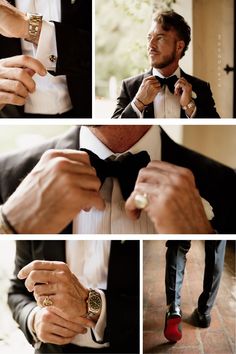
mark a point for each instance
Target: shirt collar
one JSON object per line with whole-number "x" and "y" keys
{"x": 150, "y": 142}
{"x": 155, "y": 72}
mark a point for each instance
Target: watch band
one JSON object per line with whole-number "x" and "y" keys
{"x": 35, "y": 20}
{"x": 5, "y": 226}
{"x": 94, "y": 303}
{"x": 190, "y": 105}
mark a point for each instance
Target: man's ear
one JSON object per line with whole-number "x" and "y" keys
{"x": 180, "y": 47}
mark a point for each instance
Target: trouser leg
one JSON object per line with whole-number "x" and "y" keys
{"x": 175, "y": 266}
{"x": 214, "y": 263}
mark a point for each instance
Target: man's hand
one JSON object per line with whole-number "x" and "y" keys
{"x": 13, "y": 22}
{"x": 16, "y": 80}
{"x": 147, "y": 92}
{"x": 175, "y": 206}
{"x": 51, "y": 328}
{"x": 61, "y": 185}
{"x": 55, "y": 280}
{"x": 183, "y": 89}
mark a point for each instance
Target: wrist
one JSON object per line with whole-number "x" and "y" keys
{"x": 94, "y": 305}
{"x": 139, "y": 104}
{"x": 189, "y": 107}
{"x": 34, "y": 26}
{"x": 5, "y": 226}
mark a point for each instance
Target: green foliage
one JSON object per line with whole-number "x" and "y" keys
{"x": 121, "y": 30}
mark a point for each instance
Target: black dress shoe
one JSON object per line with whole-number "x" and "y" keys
{"x": 173, "y": 331}
{"x": 200, "y": 320}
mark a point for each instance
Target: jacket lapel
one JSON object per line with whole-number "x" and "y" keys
{"x": 53, "y": 253}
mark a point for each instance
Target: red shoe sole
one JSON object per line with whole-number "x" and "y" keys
{"x": 172, "y": 331}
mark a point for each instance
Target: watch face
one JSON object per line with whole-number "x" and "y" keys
{"x": 95, "y": 302}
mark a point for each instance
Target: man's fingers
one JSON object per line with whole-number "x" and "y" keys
{"x": 74, "y": 155}
{"x": 40, "y": 265}
{"x": 13, "y": 86}
{"x": 49, "y": 316}
{"x": 18, "y": 74}
{"x": 81, "y": 322}
{"x": 11, "y": 98}
{"x": 165, "y": 170}
{"x": 24, "y": 61}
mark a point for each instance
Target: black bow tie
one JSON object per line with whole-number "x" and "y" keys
{"x": 170, "y": 82}
{"x": 125, "y": 168}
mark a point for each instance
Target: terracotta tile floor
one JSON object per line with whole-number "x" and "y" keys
{"x": 220, "y": 337}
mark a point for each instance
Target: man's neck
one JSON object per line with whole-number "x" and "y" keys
{"x": 168, "y": 70}
{"x": 119, "y": 138}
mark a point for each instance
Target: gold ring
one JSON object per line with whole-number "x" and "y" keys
{"x": 141, "y": 201}
{"x": 47, "y": 302}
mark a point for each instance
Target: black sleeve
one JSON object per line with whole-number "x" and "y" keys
{"x": 123, "y": 106}
{"x": 205, "y": 102}
{"x": 20, "y": 301}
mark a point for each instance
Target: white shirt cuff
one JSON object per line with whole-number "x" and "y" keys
{"x": 100, "y": 326}
{"x": 30, "y": 325}
{"x": 46, "y": 50}
{"x": 136, "y": 110}
{"x": 193, "y": 114}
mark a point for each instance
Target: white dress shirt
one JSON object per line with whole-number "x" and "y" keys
{"x": 51, "y": 95}
{"x": 166, "y": 105}
{"x": 88, "y": 260}
{"x": 113, "y": 219}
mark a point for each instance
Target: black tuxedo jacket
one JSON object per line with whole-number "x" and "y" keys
{"x": 204, "y": 101}
{"x": 216, "y": 182}
{"x": 122, "y": 294}
{"x": 74, "y": 45}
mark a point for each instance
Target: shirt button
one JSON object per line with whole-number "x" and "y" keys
{"x": 52, "y": 58}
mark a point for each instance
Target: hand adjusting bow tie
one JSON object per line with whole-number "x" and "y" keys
{"x": 125, "y": 168}
{"x": 170, "y": 82}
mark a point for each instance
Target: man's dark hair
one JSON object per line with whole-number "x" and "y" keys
{"x": 171, "y": 20}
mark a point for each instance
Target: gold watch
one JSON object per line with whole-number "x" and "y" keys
{"x": 94, "y": 303}
{"x": 190, "y": 105}
{"x": 35, "y": 22}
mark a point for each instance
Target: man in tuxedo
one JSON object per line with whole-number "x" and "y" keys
{"x": 69, "y": 297}
{"x": 43, "y": 190}
{"x": 166, "y": 91}
{"x": 46, "y": 61}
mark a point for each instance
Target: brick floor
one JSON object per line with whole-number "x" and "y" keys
{"x": 220, "y": 337}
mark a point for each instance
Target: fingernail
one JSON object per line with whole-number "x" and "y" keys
{"x": 20, "y": 275}
{"x": 43, "y": 72}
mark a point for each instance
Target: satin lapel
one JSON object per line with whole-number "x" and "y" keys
{"x": 70, "y": 140}
{"x": 169, "y": 149}
{"x": 67, "y": 9}
{"x": 54, "y": 250}
{"x": 181, "y": 156}
{"x": 123, "y": 255}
